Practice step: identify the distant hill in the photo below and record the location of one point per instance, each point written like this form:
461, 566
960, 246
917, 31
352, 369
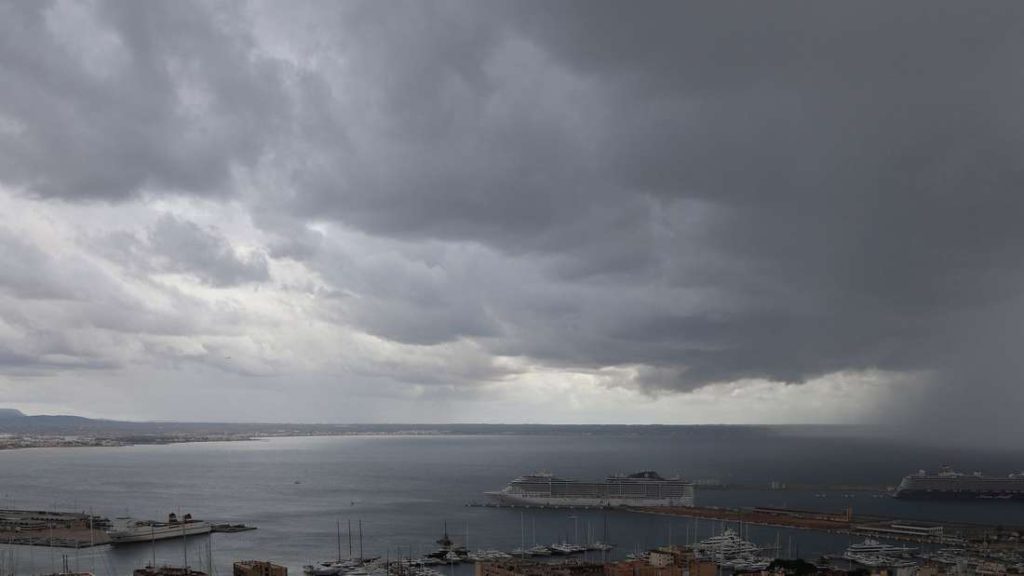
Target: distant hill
15, 422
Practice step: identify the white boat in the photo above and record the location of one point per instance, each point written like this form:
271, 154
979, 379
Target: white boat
729, 550
566, 548
874, 547
331, 568
129, 530
878, 560
486, 556
726, 545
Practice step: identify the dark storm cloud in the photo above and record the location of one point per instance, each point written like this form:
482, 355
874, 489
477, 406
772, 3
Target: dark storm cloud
704, 191
859, 165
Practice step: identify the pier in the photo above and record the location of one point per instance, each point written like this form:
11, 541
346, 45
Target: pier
843, 522
50, 528
69, 529
536, 506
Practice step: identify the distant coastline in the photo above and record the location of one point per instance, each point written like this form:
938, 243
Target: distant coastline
21, 431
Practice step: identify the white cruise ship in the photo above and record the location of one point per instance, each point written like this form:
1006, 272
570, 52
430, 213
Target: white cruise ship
640, 489
127, 530
952, 485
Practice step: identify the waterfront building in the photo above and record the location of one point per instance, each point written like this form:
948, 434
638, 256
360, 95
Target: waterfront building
689, 567
258, 568
517, 567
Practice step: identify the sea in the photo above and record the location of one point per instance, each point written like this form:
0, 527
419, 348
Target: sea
304, 493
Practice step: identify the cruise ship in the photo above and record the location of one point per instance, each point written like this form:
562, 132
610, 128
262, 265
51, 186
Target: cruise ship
127, 530
641, 489
951, 485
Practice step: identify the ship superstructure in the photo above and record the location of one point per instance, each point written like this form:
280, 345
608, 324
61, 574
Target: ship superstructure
641, 489
128, 530
949, 484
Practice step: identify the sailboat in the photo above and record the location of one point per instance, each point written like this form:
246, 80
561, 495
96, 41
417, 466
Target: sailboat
341, 565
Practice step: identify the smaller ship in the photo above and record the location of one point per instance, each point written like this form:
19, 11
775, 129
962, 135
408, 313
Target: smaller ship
873, 553
448, 552
128, 530
731, 551
565, 548
332, 567
726, 545
948, 484
870, 546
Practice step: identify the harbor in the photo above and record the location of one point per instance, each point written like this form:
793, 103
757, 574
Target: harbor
297, 489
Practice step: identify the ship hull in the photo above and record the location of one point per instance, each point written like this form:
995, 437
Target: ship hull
581, 502
146, 534
956, 495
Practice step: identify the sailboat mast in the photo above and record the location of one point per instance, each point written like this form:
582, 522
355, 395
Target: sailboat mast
522, 535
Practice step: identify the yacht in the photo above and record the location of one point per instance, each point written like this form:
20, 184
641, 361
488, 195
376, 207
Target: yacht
870, 546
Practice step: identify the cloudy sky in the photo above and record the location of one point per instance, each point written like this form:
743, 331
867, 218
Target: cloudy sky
523, 211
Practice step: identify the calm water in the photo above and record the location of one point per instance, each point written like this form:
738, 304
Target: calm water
405, 488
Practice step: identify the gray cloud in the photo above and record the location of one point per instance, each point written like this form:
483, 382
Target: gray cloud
180, 246
706, 191
101, 103
856, 168
175, 245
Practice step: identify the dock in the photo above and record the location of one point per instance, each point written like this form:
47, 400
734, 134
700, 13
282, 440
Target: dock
50, 528
69, 529
842, 522
536, 506
230, 528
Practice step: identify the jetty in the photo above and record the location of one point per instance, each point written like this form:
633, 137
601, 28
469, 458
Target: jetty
842, 522
49, 528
